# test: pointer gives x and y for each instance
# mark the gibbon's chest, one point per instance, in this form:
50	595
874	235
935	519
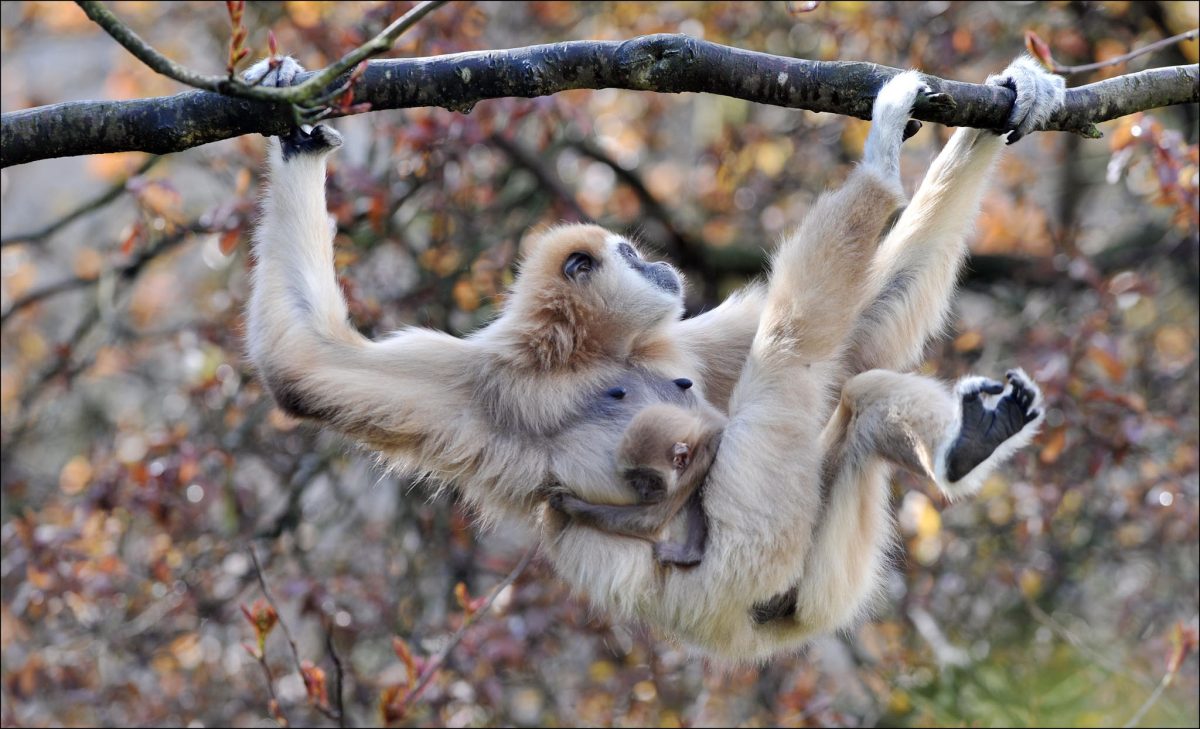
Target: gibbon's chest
583	454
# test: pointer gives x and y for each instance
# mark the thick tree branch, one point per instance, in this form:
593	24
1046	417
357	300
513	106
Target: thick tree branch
662	63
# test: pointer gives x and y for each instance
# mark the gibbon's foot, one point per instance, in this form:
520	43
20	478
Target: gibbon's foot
940	100
984	428
890	123
319	139
1039	94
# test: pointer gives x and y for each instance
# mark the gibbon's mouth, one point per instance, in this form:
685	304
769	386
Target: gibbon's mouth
661	274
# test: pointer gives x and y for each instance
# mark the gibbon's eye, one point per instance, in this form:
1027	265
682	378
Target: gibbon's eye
577	263
683	383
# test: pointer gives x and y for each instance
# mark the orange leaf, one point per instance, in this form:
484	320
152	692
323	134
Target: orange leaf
314	683
1114	369
406	657
1054	446
1039	49
229	241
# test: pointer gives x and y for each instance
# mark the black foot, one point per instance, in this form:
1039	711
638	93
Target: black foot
983	428
320	140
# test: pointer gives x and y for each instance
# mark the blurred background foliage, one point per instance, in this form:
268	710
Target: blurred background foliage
141	457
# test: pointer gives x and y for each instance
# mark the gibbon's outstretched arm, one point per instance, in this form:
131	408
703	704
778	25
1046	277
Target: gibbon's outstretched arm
406	395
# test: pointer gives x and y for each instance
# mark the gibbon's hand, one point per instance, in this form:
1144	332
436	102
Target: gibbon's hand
1039	94
320	138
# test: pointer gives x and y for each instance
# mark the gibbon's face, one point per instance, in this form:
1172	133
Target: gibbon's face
587	265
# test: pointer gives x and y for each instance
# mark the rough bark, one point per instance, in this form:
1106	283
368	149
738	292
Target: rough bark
660	63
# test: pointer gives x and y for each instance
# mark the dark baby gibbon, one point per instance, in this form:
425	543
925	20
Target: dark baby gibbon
664	458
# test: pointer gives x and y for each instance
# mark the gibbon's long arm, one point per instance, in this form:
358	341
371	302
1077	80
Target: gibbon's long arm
315	364
407	395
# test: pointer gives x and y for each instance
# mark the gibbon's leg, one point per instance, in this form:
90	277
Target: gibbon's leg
690	551
816	278
780	403
643	521
819	269
955	438
914	272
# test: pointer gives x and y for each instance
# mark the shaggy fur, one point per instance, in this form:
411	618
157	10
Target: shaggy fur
796	499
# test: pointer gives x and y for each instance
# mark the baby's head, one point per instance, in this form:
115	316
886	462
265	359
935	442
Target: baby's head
666	446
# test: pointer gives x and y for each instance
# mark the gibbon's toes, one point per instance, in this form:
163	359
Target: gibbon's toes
985	428
910	129
558	502
1039	94
320	140
283	74
898	96
940	100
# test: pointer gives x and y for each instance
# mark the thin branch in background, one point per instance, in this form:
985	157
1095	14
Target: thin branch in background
382	42
1184	640
287	634
129	270
1041	50
339	674
547	180
433	665
132	42
112	193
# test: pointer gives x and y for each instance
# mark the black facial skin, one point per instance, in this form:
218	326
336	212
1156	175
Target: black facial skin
659	274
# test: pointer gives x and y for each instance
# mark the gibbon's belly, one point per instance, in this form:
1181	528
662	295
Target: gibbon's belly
583	456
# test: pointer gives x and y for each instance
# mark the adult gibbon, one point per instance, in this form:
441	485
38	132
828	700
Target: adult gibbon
809	368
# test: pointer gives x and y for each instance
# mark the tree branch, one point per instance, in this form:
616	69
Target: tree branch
661	63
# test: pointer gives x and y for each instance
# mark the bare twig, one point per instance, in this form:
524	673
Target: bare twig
262	583
287	634
382	42
660	63
431	668
92	205
1150	48
312	88
129	270
339	675
146	53
1167	679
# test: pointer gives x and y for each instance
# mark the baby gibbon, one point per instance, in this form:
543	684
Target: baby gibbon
664	458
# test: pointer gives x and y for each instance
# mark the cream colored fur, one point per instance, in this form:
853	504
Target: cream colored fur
797	496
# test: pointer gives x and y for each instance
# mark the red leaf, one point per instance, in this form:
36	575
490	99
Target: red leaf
1039	49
